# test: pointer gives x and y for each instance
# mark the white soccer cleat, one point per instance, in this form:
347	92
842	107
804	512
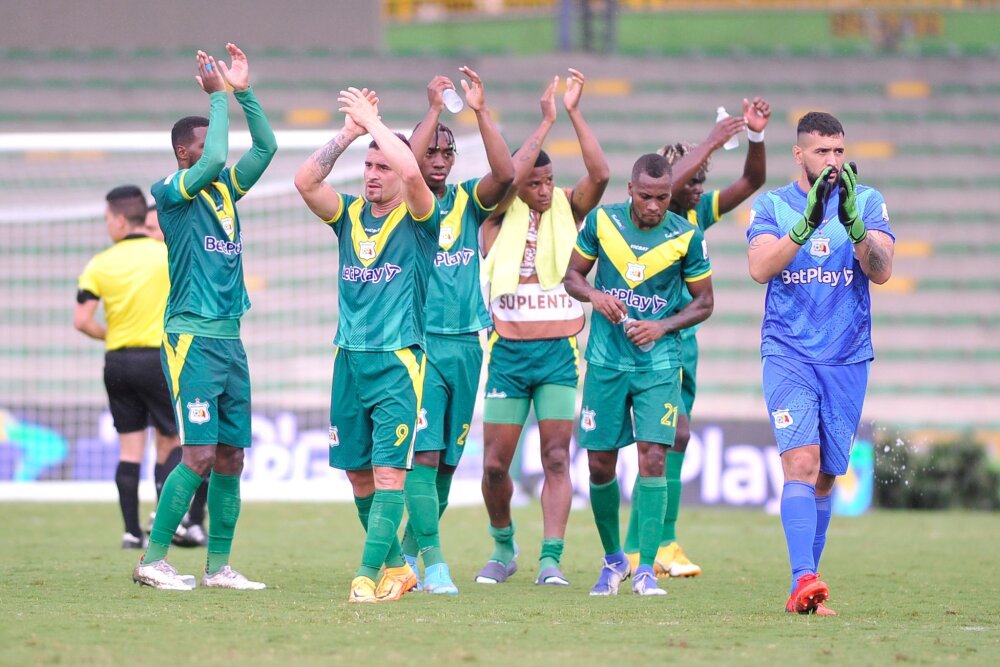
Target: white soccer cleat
227	577
161	574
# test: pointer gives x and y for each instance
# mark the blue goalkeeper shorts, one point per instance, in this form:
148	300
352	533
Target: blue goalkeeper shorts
815	404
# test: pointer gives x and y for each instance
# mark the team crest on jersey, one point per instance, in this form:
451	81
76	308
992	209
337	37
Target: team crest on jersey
781	419
819	246
588	419
447	236
198	412
334	436
422	419
366	250
635	272
227	225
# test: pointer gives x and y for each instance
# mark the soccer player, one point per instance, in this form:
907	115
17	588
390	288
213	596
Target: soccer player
817	243
455	316
533	355
202	355
690	168
653	280
131	278
388	239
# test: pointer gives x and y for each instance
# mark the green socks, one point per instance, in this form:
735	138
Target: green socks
503	543
632	537
605	501
552	548
178	489
422	504
383	521
675	461
652	505
443	482
223	511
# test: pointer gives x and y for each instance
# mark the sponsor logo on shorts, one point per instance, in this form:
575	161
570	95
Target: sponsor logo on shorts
334	436
782	419
366	250
422	419
198	412
357	274
819	275
223	246
493	393
819	246
588	419
463	257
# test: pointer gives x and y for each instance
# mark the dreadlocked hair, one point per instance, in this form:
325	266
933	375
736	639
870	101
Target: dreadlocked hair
674	152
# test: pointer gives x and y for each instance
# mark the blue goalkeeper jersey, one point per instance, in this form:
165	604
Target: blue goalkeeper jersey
818	308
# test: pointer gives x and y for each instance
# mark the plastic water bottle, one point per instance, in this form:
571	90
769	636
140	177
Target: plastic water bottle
735	140
452	101
627	324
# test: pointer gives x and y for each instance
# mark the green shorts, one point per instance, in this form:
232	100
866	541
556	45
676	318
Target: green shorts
614	399
451	382
373	408
689	362
517	367
209	383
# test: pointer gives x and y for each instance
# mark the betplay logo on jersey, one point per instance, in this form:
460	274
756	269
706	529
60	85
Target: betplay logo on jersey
782	419
588	419
635	272
366	250
198	412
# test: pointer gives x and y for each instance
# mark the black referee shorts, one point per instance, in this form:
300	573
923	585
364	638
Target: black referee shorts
137	390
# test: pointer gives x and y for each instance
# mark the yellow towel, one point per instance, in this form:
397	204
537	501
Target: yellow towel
556	238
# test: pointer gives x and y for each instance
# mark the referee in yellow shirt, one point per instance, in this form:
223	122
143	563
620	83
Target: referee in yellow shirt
131	278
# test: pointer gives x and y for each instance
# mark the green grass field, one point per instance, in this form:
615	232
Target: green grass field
910	588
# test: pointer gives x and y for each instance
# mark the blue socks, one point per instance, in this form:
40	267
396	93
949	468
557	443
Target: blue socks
799	519
824	506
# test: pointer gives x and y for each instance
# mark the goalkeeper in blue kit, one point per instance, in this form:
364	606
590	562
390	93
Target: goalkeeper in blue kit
816	243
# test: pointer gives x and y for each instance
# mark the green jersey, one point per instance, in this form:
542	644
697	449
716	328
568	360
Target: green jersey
454	297
647	271
204	247
703	215
385	265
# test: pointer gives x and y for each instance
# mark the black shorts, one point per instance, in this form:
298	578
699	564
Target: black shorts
137	390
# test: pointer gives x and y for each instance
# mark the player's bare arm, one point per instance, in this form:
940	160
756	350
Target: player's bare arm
423	135
85	322
588	190
875	254
698	310
688	166
580	289
495	185
756	114
417	195
768	256
321	198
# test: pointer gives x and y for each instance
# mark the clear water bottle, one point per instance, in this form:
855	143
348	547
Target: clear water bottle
734	141
627	324
452	100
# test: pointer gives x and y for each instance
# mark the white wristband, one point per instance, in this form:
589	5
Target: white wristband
756	137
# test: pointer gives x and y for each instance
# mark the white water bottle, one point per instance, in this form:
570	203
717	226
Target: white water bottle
452	101
734	141
627	324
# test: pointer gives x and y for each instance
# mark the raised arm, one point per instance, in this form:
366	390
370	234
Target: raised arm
688	166
417	195
424	134
252	165
495	184
213	157
320	197
588	190
757	114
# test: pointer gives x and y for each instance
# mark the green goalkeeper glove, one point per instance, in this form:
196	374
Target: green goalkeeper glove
847	209
815	206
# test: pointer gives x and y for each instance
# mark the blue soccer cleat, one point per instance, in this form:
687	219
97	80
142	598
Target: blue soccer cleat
412	562
644	582
437	580
616	570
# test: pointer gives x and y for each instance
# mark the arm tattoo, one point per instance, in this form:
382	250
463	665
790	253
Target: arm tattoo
756	242
877	257
325	157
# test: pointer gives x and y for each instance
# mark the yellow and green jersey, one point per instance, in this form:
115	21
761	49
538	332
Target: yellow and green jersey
385	266
454	296
205	249
131	278
645	269
703	215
